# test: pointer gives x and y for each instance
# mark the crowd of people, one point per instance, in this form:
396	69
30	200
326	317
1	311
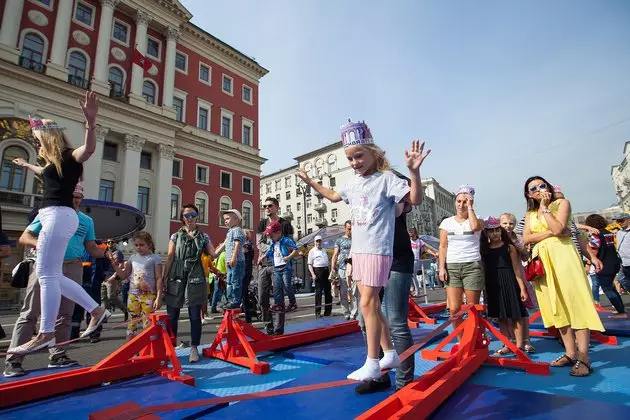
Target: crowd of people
543	262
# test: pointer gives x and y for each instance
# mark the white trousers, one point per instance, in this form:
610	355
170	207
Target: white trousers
59	224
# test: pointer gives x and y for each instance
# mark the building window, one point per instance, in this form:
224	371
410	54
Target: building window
110	152
117	81
178	106
202	174
77	68
153	47
268	188
204	73
298	192
247	94
247	135
33	52
247	185
308	203
333	213
299	233
201	201
84	14
106	190
143	199
288	208
177	168
145	160
226	122
309	231
333	182
309	219
278	197
226	85
120	32
180	62
13	177
45	2
202	119
288	195
287	182
299	206
224	205
148	91
299	220
175	198
247	215
226	180
277	184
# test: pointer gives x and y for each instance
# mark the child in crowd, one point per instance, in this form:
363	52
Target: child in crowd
281	253
505	286
376	196
234	257
508	222
144	268
217	281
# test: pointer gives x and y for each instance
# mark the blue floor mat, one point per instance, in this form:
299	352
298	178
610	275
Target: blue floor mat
479	402
618	327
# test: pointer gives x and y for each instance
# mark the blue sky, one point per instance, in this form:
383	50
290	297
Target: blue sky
500	90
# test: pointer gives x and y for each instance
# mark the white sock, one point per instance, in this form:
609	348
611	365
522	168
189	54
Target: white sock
370	370
390	360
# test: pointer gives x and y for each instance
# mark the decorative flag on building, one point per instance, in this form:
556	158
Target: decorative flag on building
141	60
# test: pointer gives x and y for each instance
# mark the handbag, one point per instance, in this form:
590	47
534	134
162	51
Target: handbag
534	268
21	273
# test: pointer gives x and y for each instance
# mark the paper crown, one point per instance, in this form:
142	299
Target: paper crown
38	124
556	188
465	189
491	223
353	134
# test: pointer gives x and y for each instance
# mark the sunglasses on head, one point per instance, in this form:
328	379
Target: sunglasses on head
541	186
189	215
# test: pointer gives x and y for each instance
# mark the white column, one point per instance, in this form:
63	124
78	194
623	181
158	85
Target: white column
169	71
162	217
10	30
131	170
137	73
56	66
99	81
92	168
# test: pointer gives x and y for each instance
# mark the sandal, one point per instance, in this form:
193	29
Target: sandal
580	369
563	361
503	351
528	348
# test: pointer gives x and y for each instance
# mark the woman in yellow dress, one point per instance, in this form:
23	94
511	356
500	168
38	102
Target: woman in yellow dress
563	292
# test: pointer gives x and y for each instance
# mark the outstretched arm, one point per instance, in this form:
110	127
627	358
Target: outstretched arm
89	107
21	162
327	193
413	160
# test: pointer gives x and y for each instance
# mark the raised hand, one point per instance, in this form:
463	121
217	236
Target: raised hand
89	106
470	201
415	157
545	198
19	162
304	176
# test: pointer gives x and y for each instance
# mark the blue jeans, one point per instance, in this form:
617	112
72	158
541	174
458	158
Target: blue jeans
194	315
282	283
124	289
395	306
216	295
235	282
606	283
595	287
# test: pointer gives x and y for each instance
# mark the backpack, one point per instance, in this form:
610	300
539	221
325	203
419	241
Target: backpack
608	255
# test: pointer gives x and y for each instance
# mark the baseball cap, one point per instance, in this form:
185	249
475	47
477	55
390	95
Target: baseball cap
273	227
621	216
318	238
235	212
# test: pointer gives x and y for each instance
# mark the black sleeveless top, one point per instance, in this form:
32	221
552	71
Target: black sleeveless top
58	190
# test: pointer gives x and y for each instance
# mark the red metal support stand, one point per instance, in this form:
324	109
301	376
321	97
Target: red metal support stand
553	332
238	342
150	351
417	314
423	396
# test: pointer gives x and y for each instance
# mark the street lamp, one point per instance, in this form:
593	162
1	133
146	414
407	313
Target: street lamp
306	193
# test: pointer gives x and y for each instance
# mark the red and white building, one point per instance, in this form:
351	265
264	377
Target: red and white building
184	131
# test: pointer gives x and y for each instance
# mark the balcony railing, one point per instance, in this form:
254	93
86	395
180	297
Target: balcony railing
78	81
321	222
320	208
117	93
36	66
20	199
288	215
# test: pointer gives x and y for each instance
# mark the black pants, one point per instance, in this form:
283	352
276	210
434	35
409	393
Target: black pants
194	314
274	323
248	306
322	284
93	287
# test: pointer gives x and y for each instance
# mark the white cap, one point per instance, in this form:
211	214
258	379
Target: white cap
318	238
236	212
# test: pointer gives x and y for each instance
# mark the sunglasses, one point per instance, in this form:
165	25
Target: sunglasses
189	215
541	186
268	206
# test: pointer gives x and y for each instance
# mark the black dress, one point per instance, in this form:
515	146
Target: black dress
503	295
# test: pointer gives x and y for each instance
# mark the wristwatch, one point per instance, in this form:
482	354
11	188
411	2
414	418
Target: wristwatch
546	211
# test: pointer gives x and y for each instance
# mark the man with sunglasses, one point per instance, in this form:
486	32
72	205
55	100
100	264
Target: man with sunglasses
275	325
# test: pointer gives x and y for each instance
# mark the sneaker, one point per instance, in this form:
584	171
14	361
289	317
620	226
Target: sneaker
95	340
277	308
62	361
214	311
371	387
292	307
232	305
194	355
183	345
13	370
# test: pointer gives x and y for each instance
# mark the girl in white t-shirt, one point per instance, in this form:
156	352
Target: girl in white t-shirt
376	195
460	260
144	269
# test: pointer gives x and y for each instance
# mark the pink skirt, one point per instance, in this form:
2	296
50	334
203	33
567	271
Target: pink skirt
371	269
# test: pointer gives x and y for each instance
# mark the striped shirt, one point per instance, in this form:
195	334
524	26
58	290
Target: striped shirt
573	228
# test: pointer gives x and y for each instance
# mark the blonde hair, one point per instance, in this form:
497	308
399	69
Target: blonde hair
52	143
381	162
510	215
